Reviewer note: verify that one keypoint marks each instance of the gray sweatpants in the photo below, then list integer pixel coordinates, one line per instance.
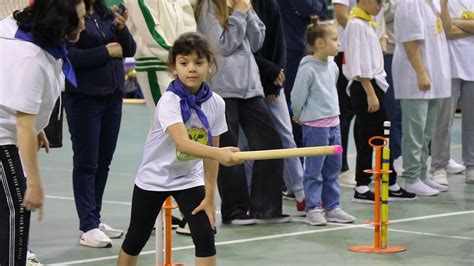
(440, 144)
(418, 123)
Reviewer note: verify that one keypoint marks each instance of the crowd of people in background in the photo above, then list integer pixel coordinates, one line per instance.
(278, 73)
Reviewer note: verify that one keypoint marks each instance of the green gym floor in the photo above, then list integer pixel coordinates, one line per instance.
(436, 231)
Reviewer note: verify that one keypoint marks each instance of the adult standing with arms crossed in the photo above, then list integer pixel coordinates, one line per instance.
(236, 32)
(459, 29)
(295, 18)
(94, 112)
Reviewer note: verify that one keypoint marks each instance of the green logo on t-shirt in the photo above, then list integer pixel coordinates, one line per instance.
(198, 135)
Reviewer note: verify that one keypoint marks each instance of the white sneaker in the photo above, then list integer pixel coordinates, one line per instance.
(109, 231)
(398, 166)
(32, 259)
(440, 177)
(315, 217)
(435, 185)
(339, 216)
(454, 168)
(96, 239)
(470, 176)
(347, 179)
(420, 189)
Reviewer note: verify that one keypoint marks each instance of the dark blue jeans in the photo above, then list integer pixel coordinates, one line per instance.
(94, 123)
(293, 61)
(394, 111)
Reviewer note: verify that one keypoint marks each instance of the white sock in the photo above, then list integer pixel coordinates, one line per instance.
(362, 189)
(299, 195)
(394, 187)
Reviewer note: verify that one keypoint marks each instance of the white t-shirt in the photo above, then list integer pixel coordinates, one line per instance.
(350, 4)
(462, 49)
(420, 21)
(31, 81)
(162, 168)
(363, 54)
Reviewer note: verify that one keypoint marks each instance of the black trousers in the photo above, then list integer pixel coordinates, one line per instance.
(347, 114)
(14, 218)
(370, 124)
(145, 208)
(264, 200)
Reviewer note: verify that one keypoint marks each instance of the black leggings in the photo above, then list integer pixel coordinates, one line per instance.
(145, 208)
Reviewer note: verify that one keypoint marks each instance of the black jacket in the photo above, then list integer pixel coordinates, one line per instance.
(271, 58)
(296, 16)
(97, 72)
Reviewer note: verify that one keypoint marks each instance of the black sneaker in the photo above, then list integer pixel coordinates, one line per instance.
(284, 218)
(242, 219)
(175, 221)
(183, 228)
(401, 195)
(367, 197)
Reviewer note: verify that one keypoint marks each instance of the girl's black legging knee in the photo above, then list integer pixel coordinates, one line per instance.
(145, 208)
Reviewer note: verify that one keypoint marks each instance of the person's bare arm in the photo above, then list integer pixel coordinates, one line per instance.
(27, 141)
(465, 25)
(452, 31)
(208, 205)
(372, 100)
(413, 51)
(224, 155)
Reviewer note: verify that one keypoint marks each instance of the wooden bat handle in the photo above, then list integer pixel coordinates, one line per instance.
(288, 153)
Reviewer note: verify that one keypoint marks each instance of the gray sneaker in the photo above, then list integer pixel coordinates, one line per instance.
(339, 216)
(315, 217)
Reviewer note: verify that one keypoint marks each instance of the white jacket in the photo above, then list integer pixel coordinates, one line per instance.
(155, 25)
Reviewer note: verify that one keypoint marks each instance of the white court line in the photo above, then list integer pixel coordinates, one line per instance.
(371, 227)
(245, 240)
(431, 234)
(104, 201)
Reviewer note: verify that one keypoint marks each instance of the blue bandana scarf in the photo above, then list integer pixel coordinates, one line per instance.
(189, 102)
(59, 52)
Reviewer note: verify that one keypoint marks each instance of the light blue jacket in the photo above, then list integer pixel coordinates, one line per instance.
(314, 94)
(238, 75)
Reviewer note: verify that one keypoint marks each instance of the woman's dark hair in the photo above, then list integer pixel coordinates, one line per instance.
(188, 43)
(49, 20)
(99, 6)
(316, 30)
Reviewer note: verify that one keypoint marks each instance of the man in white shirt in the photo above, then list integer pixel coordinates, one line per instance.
(421, 75)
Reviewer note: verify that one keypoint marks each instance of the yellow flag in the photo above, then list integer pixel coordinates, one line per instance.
(357, 12)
